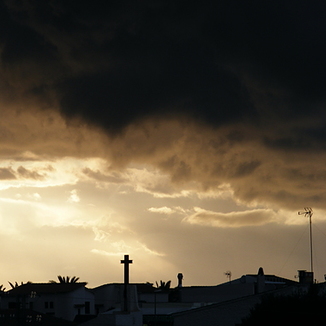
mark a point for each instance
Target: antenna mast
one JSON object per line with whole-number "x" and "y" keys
{"x": 228, "y": 275}
{"x": 308, "y": 213}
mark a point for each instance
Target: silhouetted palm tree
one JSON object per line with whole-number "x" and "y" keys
{"x": 67, "y": 279}
{"x": 164, "y": 286}
{"x": 16, "y": 284}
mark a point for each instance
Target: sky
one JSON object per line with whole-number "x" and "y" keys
{"x": 186, "y": 134}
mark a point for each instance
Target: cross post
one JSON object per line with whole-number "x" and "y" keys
{"x": 126, "y": 263}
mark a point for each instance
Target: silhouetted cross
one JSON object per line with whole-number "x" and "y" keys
{"x": 126, "y": 262}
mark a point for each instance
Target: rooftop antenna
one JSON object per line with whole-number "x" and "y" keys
{"x": 228, "y": 275}
{"x": 308, "y": 213}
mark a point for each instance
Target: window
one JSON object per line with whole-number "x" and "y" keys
{"x": 46, "y": 305}
{"x": 51, "y": 305}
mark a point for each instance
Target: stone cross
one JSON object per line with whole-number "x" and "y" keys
{"x": 126, "y": 263}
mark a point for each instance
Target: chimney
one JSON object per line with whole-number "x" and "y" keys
{"x": 306, "y": 277}
{"x": 260, "y": 280}
{"x": 180, "y": 278}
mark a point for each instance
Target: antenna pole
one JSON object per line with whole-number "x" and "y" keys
{"x": 310, "y": 231}
{"x": 308, "y": 213}
{"x": 228, "y": 275}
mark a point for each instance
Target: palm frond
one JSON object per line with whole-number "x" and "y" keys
{"x": 67, "y": 279}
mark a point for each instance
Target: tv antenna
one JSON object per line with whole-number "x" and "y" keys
{"x": 228, "y": 274}
{"x": 308, "y": 213}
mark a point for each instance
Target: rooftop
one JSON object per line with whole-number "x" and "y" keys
{"x": 45, "y": 288}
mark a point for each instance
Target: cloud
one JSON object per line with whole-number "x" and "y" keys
{"x": 113, "y": 177}
{"x": 106, "y": 228}
{"x": 167, "y": 210}
{"x": 169, "y": 104}
{"x": 230, "y": 160}
{"x": 233, "y": 219}
{"x": 105, "y": 253}
{"x": 141, "y": 179}
{"x": 73, "y": 198}
{"x": 119, "y": 248}
{"x": 34, "y": 196}
{"x": 24, "y": 173}
{"x": 213, "y": 62}
{"x": 150, "y": 251}
{"x": 161, "y": 210}
{"x": 211, "y": 96}
{"x": 7, "y": 174}
{"x": 149, "y": 180}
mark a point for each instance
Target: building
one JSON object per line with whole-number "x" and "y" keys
{"x": 115, "y": 307}
{"x": 60, "y": 300}
{"x": 224, "y": 304}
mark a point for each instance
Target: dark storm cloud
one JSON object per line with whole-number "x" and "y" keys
{"x": 246, "y": 168}
{"x": 307, "y": 139}
{"x": 219, "y": 62}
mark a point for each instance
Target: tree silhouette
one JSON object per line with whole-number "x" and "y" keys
{"x": 67, "y": 279}
{"x": 2, "y": 289}
{"x": 15, "y": 285}
{"x": 164, "y": 286}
